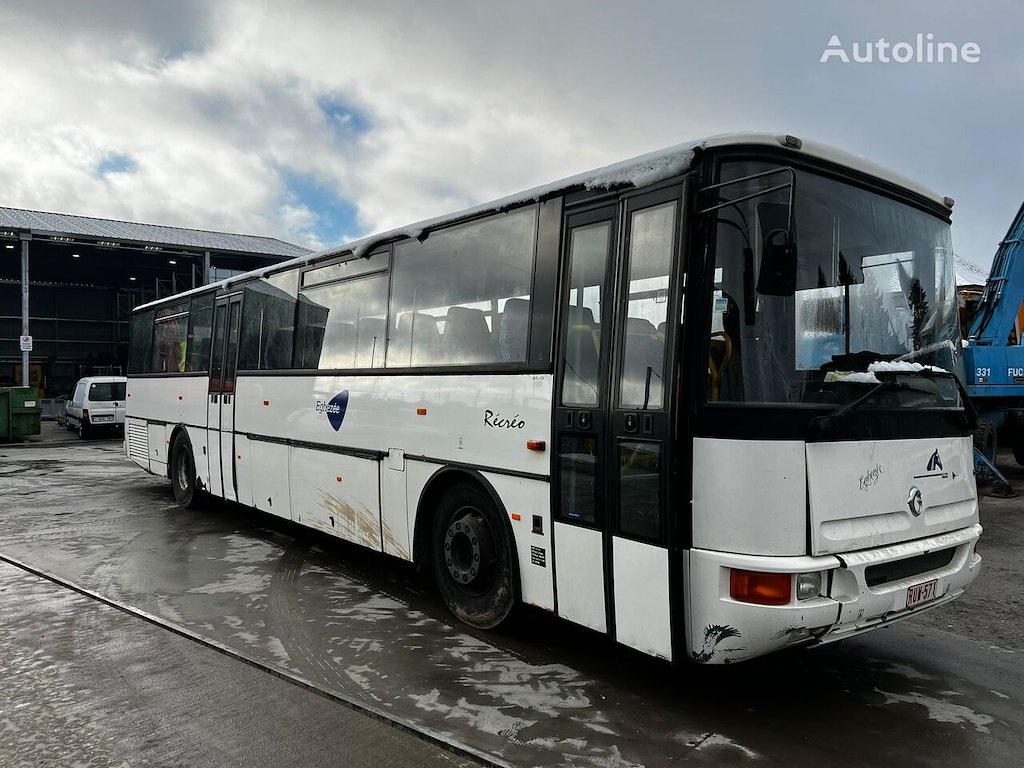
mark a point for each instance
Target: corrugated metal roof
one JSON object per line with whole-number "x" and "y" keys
{"x": 133, "y": 232}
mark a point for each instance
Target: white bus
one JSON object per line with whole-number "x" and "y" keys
{"x": 697, "y": 400}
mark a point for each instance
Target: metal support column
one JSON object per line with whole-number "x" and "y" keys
{"x": 206, "y": 267}
{"x": 25, "y": 238}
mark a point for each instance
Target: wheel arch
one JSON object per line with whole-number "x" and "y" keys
{"x": 433, "y": 490}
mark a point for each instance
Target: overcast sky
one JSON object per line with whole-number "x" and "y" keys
{"x": 318, "y": 122}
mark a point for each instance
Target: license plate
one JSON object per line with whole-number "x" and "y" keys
{"x": 98, "y": 419}
{"x": 921, "y": 593}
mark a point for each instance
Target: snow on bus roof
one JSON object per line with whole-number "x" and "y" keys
{"x": 638, "y": 171}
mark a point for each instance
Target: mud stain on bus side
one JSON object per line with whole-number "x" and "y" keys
{"x": 362, "y": 526}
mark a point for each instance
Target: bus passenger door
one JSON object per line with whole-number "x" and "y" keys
{"x": 613, "y": 422}
{"x": 580, "y": 422}
{"x": 221, "y": 400}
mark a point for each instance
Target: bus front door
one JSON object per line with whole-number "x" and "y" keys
{"x": 221, "y": 399}
{"x": 612, "y": 424}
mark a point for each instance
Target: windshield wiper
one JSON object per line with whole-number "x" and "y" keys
{"x": 819, "y": 425}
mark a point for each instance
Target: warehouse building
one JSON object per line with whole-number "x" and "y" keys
{"x": 85, "y": 275}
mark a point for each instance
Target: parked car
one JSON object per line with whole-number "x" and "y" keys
{"x": 97, "y": 404}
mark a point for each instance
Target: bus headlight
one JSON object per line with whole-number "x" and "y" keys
{"x": 808, "y": 585}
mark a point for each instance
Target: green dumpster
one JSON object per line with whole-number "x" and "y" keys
{"x": 19, "y": 412}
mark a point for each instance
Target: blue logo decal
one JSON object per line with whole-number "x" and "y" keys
{"x": 335, "y": 409}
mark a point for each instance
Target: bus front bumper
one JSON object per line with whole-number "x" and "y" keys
{"x": 721, "y": 629}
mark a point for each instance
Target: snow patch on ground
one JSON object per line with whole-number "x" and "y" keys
{"x": 941, "y": 711}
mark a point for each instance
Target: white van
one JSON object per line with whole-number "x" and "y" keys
{"x": 97, "y": 403}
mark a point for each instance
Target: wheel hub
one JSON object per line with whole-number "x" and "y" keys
{"x": 466, "y": 547}
{"x": 182, "y": 472}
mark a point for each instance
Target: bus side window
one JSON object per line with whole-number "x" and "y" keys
{"x": 200, "y": 328}
{"x": 462, "y": 295}
{"x": 140, "y": 346}
{"x": 170, "y": 339}
{"x": 342, "y": 324}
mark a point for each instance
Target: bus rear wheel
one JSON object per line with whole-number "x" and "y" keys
{"x": 472, "y": 558}
{"x": 183, "y": 473}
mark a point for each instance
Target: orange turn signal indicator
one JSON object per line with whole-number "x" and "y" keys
{"x": 266, "y": 402}
{"x": 761, "y": 588}
{"x": 516, "y": 516}
{"x": 536, "y": 445}
{"x": 421, "y": 411}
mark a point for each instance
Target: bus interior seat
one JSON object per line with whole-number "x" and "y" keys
{"x": 640, "y": 325}
{"x": 582, "y": 363}
{"x": 644, "y": 349}
{"x": 584, "y": 317}
{"x": 416, "y": 341}
{"x": 513, "y": 330}
{"x": 467, "y": 339}
{"x": 581, "y": 316}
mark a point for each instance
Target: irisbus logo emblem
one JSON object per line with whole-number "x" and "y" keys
{"x": 335, "y": 409}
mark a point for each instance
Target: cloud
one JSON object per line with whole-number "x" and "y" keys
{"x": 316, "y": 121}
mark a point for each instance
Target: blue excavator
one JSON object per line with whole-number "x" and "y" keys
{"x": 993, "y": 353}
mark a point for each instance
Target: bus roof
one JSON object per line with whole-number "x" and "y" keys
{"x": 644, "y": 169}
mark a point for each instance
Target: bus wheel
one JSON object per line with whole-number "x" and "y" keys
{"x": 472, "y": 558}
{"x": 183, "y": 473}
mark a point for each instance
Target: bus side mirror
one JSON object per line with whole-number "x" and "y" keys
{"x": 777, "y": 273}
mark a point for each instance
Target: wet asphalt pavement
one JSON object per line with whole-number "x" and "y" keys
{"x": 371, "y": 633}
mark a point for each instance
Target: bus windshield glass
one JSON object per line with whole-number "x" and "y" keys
{"x": 873, "y": 281}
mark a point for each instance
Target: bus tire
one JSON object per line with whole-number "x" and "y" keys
{"x": 183, "y": 473}
{"x": 472, "y": 557}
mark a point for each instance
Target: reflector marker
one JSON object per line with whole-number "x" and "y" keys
{"x": 421, "y": 411}
{"x": 516, "y": 516}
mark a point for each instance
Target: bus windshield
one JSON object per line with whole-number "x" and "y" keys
{"x": 874, "y": 282}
